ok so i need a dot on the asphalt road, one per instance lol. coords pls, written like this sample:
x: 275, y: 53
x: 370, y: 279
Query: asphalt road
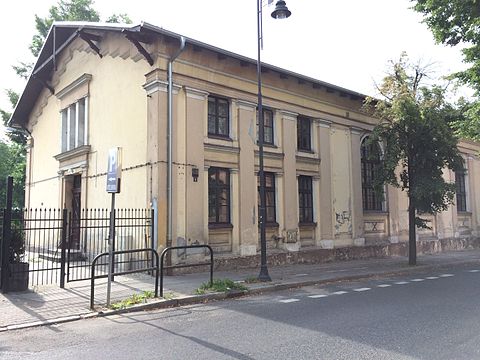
x: 432, y: 315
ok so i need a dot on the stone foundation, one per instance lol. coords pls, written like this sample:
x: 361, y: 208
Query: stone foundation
x: 321, y: 255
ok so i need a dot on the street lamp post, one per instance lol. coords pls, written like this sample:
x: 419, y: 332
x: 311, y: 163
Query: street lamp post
x: 281, y: 12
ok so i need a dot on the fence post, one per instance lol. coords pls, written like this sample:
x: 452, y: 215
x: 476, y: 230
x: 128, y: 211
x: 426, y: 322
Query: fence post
x: 7, y: 234
x: 152, y: 233
x: 63, y: 258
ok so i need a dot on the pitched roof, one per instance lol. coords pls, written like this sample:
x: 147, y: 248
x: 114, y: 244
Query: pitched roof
x: 62, y: 34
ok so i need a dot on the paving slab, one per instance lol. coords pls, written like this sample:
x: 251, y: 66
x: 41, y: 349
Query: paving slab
x: 44, y: 305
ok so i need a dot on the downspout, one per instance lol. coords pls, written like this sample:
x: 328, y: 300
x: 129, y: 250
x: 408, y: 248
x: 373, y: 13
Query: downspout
x: 169, y: 148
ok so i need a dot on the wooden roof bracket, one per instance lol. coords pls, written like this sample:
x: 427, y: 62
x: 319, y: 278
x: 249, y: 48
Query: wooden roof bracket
x: 44, y: 83
x: 139, y: 47
x: 89, y: 38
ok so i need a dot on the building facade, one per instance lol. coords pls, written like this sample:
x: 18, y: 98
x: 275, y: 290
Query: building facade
x: 97, y: 86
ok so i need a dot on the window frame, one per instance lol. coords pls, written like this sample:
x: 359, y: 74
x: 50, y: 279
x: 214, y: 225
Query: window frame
x: 74, y: 128
x: 217, y: 116
x: 305, y: 197
x: 371, y: 201
x: 304, y: 124
x: 217, y: 189
x: 265, y: 126
x: 269, y: 208
x: 461, y: 191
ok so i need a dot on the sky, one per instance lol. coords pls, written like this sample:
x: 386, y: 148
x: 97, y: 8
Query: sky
x: 344, y: 42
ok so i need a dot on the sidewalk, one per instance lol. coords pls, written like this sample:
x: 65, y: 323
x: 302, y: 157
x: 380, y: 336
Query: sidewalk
x: 50, y: 304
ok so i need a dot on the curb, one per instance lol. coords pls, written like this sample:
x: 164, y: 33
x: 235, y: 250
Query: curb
x: 199, y: 299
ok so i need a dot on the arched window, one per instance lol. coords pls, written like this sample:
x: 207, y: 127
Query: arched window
x: 370, y: 157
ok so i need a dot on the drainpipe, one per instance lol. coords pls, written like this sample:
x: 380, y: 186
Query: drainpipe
x: 169, y: 148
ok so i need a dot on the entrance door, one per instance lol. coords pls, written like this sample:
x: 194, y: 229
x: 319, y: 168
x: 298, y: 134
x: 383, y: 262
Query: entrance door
x: 76, y: 212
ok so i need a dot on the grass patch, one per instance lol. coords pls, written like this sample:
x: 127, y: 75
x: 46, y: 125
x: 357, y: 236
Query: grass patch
x: 169, y: 296
x: 132, y: 300
x: 219, y: 285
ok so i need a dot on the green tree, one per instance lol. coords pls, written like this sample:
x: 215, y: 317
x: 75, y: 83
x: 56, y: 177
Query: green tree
x: 418, y: 143
x: 455, y: 22
x: 64, y: 10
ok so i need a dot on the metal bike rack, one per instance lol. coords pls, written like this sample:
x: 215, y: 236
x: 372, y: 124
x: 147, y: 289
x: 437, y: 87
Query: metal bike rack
x: 92, y: 281
x: 166, y: 250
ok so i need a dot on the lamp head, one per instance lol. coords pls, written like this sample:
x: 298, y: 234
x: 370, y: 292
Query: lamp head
x: 281, y: 11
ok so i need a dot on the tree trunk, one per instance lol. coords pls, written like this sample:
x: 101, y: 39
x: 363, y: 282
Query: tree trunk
x: 412, y: 241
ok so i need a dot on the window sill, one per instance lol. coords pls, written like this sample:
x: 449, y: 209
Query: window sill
x: 307, y: 224
x: 464, y: 213
x: 305, y: 151
x: 213, y: 226
x: 220, y: 137
x: 73, y: 153
x: 270, y: 225
x: 375, y: 212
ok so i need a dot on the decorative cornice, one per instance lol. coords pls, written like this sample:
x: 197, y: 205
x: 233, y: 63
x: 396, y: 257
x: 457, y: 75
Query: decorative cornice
x: 289, y: 115
x: 159, y: 85
x: 246, y: 105
x: 196, y: 94
x: 221, y: 148
x: 72, y: 154
x: 324, y: 123
x: 85, y: 78
x: 271, y: 155
x: 355, y: 130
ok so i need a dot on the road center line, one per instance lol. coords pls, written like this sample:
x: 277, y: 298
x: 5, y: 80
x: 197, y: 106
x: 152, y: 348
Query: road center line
x: 417, y: 280
x: 286, y: 301
x: 445, y: 275
x: 317, y: 296
x: 362, y: 289
x: 401, y: 282
x: 384, y: 285
x: 432, y: 278
x: 339, y: 292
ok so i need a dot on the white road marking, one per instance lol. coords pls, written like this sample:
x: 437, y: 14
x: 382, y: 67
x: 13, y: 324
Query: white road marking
x: 474, y: 271
x: 301, y: 275
x: 446, y: 275
x: 432, y: 277
x: 401, y: 282
x: 417, y: 280
x: 362, y: 289
x: 317, y: 296
x: 384, y: 285
x: 286, y: 301
x: 339, y: 292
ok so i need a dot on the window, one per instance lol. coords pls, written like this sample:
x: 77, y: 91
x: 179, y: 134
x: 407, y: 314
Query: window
x: 74, y: 125
x: 370, y: 159
x: 267, y: 127
x: 461, y: 191
x: 269, y: 197
x: 218, y: 117
x: 305, y: 199
x: 304, y: 134
x: 218, y: 196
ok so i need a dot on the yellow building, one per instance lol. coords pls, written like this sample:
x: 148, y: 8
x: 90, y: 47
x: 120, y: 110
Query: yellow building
x: 98, y: 86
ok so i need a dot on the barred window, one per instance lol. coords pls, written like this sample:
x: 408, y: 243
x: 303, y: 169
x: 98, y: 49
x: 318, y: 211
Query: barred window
x: 218, y: 116
x: 461, y: 191
x: 304, y: 134
x: 370, y: 160
x: 218, y: 196
x: 305, y: 199
x: 270, y: 215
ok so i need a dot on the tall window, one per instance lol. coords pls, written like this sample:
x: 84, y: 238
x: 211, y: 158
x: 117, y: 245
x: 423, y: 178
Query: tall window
x: 305, y: 199
x: 218, y: 196
x: 74, y: 125
x: 370, y: 158
x: 304, y: 134
x: 218, y: 116
x: 461, y: 191
x: 267, y: 127
x: 269, y: 197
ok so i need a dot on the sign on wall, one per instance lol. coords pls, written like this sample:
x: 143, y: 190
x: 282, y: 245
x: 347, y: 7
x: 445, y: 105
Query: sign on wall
x: 114, y: 170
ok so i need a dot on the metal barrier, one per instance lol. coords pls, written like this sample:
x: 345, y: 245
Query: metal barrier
x: 92, y: 281
x: 184, y: 265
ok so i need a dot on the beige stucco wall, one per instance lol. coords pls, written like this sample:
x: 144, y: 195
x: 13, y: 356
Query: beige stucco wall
x: 128, y: 108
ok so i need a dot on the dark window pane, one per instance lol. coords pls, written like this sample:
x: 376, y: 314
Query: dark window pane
x: 218, y: 116
x: 218, y: 195
x: 370, y: 162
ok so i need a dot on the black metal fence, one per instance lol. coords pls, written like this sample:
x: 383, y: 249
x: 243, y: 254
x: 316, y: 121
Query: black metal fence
x: 50, y: 246
x: 89, y: 235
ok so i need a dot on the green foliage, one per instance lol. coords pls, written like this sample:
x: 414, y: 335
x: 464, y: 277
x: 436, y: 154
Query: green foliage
x: 65, y: 10
x: 119, y: 19
x: 418, y: 143
x: 219, y: 285
x: 455, y: 22
x: 132, y: 300
x: 12, y: 163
